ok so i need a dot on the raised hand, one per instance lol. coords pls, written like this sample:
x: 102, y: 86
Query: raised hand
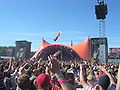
x: 53, y: 64
x: 57, y: 53
x: 101, y: 68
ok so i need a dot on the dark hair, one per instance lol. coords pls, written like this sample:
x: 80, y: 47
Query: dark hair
x: 1, y: 67
x: 23, y: 81
x: 104, y: 81
x: 97, y: 88
x: 17, y: 64
x: 70, y: 78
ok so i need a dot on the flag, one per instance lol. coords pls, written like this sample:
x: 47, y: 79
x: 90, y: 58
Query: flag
x: 57, y: 36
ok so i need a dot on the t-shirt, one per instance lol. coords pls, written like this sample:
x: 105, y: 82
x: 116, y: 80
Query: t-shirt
x: 79, y: 88
x: 7, y: 83
x: 112, y: 87
x: 2, y: 76
x: 89, y: 88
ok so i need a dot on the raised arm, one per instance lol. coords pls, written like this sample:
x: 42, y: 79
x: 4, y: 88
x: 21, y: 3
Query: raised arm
x: 21, y: 68
x: 107, y: 73
x: 82, y: 79
x: 9, y: 68
x: 118, y: 82
x: 54, y: 67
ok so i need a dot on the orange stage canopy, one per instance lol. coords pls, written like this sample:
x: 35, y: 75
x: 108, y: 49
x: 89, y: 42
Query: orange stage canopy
x: 82, y: 49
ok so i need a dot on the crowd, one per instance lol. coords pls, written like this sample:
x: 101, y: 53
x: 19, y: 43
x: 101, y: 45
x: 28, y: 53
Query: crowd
x: 55, y: 74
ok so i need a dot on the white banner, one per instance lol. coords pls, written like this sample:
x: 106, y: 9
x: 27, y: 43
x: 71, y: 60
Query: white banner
x: 102, y: 54
x: 114, y: 53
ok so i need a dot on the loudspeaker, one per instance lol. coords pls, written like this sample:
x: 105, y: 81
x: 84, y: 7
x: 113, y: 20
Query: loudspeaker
x: 101, y: 11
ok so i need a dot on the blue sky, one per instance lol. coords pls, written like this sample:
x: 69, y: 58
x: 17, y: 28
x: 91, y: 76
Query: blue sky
x: 33, y: 20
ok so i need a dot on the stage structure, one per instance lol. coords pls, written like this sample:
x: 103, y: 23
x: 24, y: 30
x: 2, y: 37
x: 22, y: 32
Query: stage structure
x: 22, y: 50
x: 76, y: 52
x: 86, y: 50
x: 99, y: 51
x: 101, y: 12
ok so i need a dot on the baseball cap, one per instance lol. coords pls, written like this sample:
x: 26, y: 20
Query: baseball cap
x: 43, y: 80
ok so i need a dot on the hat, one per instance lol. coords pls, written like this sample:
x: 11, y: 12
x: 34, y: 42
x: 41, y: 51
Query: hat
x: 97, y: 78
x: 43, y: 80
x: 104, y: 81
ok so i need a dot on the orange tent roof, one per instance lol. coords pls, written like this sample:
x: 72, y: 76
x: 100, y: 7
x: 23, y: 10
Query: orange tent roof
x: 42, y: 45
x: 83, y: 49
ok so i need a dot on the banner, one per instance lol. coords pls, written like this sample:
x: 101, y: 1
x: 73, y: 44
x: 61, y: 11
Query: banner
x: 114, y: 53
x: 102, y: 54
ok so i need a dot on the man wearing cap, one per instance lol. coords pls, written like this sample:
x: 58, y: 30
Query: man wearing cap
x: 42, y: 82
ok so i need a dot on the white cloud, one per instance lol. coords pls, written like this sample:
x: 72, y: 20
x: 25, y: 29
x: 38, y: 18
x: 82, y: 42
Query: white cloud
x: 32, y: 34
x: 26, y: 34
x: 74, y: 32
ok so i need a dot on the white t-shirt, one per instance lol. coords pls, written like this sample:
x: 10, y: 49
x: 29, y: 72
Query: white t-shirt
x: 88, y: 88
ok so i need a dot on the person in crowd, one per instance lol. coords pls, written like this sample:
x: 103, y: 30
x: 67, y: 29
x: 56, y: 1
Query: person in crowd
x: 55, y: 74
x: 23, y: 82
x: 3, y: 73
x: 7, y: 82
x: 42, y: 82
x: 118, y: 83
x: 105, y: 81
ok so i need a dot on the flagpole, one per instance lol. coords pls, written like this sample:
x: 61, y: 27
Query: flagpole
x: 61, y: 52
x: 55, y: 39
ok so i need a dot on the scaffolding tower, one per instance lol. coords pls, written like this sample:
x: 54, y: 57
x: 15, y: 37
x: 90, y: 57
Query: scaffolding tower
x: 101, y: 12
